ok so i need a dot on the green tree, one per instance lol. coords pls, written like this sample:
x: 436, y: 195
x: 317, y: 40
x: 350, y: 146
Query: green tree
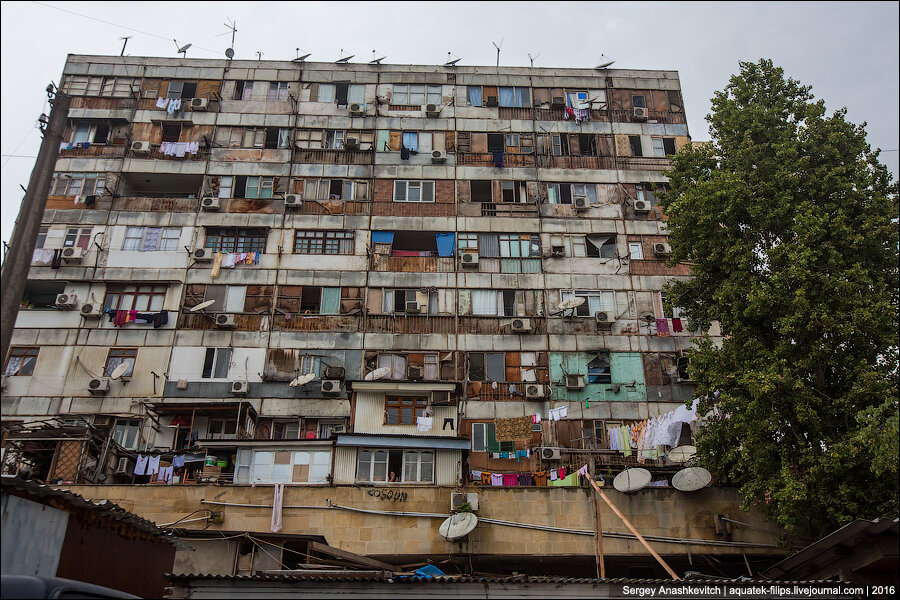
x: 791, y: 225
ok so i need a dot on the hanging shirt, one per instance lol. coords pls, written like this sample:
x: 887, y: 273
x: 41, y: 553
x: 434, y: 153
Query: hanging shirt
x: 153, y: 465
x: 140, y: 465
x: 540, y: 478
x: 424, y: 423
x: 510, y: 479
x: 496, y: 479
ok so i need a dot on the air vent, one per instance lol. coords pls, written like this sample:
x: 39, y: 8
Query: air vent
x: 331, y: 387
x: 413, y: 307
x: 458, y: 499
x: 225, y: 321
x: 491, y: 101
x: 351, y: 143
x: 123, y: 467
x: 558, y: 102
x: 557, y: 251
x: 210, y: 203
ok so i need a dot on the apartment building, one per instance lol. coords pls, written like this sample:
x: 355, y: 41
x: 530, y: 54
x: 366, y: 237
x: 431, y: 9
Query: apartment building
x: 361, y: 280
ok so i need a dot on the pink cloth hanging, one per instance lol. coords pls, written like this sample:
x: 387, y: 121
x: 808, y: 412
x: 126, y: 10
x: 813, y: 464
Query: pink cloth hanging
x: 276, y: 507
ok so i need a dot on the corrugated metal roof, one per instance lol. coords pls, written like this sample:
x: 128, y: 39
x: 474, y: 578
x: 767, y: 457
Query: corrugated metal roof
x: 399, y: 440
x: 40, y: 491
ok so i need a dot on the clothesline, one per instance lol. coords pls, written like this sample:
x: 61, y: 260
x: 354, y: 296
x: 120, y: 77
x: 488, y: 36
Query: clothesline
x: 563, y: 476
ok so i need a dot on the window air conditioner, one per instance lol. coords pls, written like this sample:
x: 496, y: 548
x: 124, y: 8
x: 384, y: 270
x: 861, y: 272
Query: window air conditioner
x: 140, y: 148
x: 580, y: 203
x: 641, y: 206
x: 331, y: 387
x: 98, y: 385
x: 91, y: 310
x: 357, y: 110
x: 548, y: 453
x: 640, y: 113
x: 202, y: 254
x: 469, y: 258
x: 432, y: 110
x: 124, y: 467
x: 662, y: 248
x: 239, y: 387
x: 438, y: 158
x: 534, y: 391
x: 199, y: 103
x: 210, y: 203
x: 522, y: 326
x: 457, y: 499
x: 574, y: 382
x: 351, y: 143
x: 334, y: 373
x: 72, y: 255
x: 557, y: 251
x: 558, y: 102
x: 293, y: 200
x: 491, y: 101
x: 440, y: 398
x: 66, y: 301
x: 225, y: 321
x: 413, y: 307
x: 415, y: 373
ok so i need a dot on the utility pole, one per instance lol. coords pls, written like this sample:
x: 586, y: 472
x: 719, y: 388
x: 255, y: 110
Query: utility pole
x: 18, y: 261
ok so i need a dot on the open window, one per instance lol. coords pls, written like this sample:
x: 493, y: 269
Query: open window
x: 486, y: 366
x: 600, y: 246
x: 216, y: 363
x: 481, y: 191
x: 484, y: 439
x: 42, y: 294
x: 309, y: 299
x: 599, y: 369
x: 595, y: 301
x: 21, y: 360
x: 634, y: 142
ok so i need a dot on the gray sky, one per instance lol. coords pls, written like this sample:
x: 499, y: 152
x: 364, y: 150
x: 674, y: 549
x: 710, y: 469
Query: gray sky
x: 847, y: 51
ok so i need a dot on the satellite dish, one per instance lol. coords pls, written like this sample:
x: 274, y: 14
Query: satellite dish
x: 119, y: 371
x: 185, y: 48
x: 572, y: 302
x: 302, y: 58
x: 377, y: 61
x: 229, y: 52
x: 303, y: 379
x: 681, y: 453
x: 691, y: 479
x: 344, y: 60
x: 452, y: 63
x: 632, y: 480
x: 202, y: 305
x: 603, y: 65
x: 379, y: 373
x: 458, y: 526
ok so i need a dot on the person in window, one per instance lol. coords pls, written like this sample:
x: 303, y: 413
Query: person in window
x: 392, y: 477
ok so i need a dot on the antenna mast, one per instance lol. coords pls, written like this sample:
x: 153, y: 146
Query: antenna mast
x: 498, y: 50
x: 126, y: 38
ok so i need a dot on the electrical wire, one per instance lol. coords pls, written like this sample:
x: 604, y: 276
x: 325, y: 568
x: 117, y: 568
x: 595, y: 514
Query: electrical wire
x: 186, y: 516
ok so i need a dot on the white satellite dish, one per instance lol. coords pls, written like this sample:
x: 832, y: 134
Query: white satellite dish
x: 572, y: 302
x: 229, y: 52
x: 303, y: 379
x: 379, y: 373
x: 202, y: 305
x: 119, y: 371
x: 681, y: 453
x: 691, y: 479
x: 632, y: 480
x: 458, y: 526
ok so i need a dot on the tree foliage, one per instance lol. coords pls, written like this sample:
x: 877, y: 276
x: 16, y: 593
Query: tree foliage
x: 792, y: 227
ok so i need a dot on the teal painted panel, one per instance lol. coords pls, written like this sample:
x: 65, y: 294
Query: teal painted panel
x: 626, y: 370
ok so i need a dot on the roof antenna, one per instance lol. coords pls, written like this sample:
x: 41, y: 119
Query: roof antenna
x: 232, y: 25
x: 126, y: 38
x: 451, y: 63
x: 532, y: 59
x: 259, y: 56
x: 498, y: 50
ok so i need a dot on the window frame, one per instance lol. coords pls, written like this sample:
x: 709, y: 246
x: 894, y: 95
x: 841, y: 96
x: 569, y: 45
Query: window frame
x: 404, y: 409
x: 127, y: 425
x: 116, y: 356
x: 635, y: 251
x: 280, y: 89
x: 600, y: 374
x: 165, y: 235
x: 155, y: 296
x: 23, y: 353
x: 78, y: 237
x: 231, y: 240
x: 324, y: 242
x: 604, y: 301
x: 420, y: 184
x: 371, y: 476
x: 88, y: 184
x: 413, y: 458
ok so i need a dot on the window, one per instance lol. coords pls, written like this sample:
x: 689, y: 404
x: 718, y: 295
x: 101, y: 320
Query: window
x: 334, y: 139
x: 487, y: 366
x: 242, y: 186
x: 576, y: 99
x: 335, y: 189
x: 600, y: 246
x: 669, y: 311
x: 310, y: 364
x: 21, y: 361
x: 395, y: 362
x: 78, y: 184
x: 235, y: 240
x: 635, y: 142
x: 595, y: 301
x: 151, y: 239
x: 243, y: 90
x: 83, y: 85
x: 282, y: 466
x: 495, y: 142
x: 356, y: 93
x: 171, y: 132
x: 226, y: 185
x: 326, y: 92
x: 216, y: 363
x: 326, y: 430
x: 149, y: 298
x: 645, y: 193
x: 42, y: 237
x: 259, y: 187
x: 118, y: 356
x: 278, y: 91
x: 560, y: 143
x: 638, y: 101
x: 323, y: 242
x: 562, y: 193
x: 484, y: 439
x: 93, y: 132
x: 467, y: 241
x: 372, y: 465
x: 663, y: 146
x: 515, y: 96
x: 418, y: 466
x: 286, y: 430
x: 413, y: 191
x: 277, y: 137
x: 482, y: 191
x: 79, y: 237
x: 598, y: 369
x: 512, y: 191
x: 410, y: 140
x: 416, y: 94
x: 222, y: 429
x: 126, y: 432
x: 515, y: 245
x: 473, y: 95
x: 403, y: 410
x: 181, y: 89
x: 635, y: 250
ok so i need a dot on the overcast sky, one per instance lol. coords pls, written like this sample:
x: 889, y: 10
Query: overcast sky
x: 848, y: 51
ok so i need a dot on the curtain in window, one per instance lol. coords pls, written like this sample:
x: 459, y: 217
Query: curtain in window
x: 474, y: 93
x: 445, y: 243
x: 495, y: 367
x: 484, y: 302
x: 356, y: 93
x: 151, y: 239
x: 331, y: 301
x: 411, y: 140
x: 507, y: 96
x: 488, y: 245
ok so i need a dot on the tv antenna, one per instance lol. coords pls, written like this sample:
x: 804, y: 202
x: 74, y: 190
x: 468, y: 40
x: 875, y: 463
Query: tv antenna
x: 182, y: 49
x: 532, y: 59
x: 451, y: 63
x: 376, y: 61
x: 498, y: 50
x: 232, y: 25
x: 345, y: 59
x: 302, y: 58
x: 126, y: 38
x: 259, y: 55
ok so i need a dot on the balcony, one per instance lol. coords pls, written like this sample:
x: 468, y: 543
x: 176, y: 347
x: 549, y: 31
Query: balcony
x: 335, y: 157
x: 506, y: 391
x: 115, y: 150
x: 559, y: 114
x: 156, y: 154
x: 644, y: 163
x: 490, y: 325
x: 509, y: 265
x: 576, y: 162
x: 97, y: 103
x: 242, y: 322
x: 498, y: 209
x: 507, y: 112
x: 486, y: 159
x: 414, y: 264
x: 333, y: 207
x: 298, y: 322
x: 401, y: 323
x: 654, y: 116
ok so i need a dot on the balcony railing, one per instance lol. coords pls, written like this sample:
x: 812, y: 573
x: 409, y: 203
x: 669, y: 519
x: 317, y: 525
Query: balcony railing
x: 414, y: 264
x: 506, y: 391
x: 335, y: 157
x: 402, y: 323
x: 486, y: 159
x: 576, y: 162
x: 644, y: 163
x: 97, y: 103
x: 95, y: 150
x: 298, y: 322
x: 508, y: 112
x: 155, y: 154
x: 559, y: 114
x: 241, y: 322
x: 509, y: 265
x: 148, y: 204
x: 334, y: 207
x: 658, y: 116
x: 490, y: 325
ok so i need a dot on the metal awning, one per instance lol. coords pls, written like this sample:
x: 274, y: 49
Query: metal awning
x: 401, y: 386
x: 402, y: 441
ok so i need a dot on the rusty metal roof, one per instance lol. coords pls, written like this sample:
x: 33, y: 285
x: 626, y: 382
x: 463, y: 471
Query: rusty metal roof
x: 38, y: 492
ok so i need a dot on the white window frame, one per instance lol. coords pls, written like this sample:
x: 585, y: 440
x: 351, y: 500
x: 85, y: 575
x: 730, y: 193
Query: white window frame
x: 658, y: 149
x: 482, y: 427
x: 166, y: 237
x: 222, y: 426
x: 416, y: 93
x: 603, y: 300
x: 326, y: 93
x: 280, y: 89
x: 413, y: 460
x: 370, y: 477
x: 258, y: 466
x: 287, y: 427
x: 130, y: 427
x: 406, y: 185
x: 635, y: 250
x: 334, y: 139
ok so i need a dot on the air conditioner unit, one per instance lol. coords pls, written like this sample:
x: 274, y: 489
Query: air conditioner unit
x: 491, y: 101
x: 662, y: 248
x: 534, y: 391
x: 102, y: 421
x: 522, y: 326
x: 580, y: 203
x: 124, y: 466
x: 548, y: 453
x: 604, y: 318
x: 640, y: 113
x: 351, y: 143
x: 91, y: 310
x: 334, y: 373
x: 558, y: 102
x: 140, y: 148
x: 413, y: 307
x: 641, y: 206
x: 225, y: 321
x: 357, y: 110
x: 72, y: 255
x: 202, y: 254
x: 415, y: 372
x: 210, y: 203
x: 557, y: 251
x: 440, y: 398
x: 458, y: 499
x: 438, y: 158
x: 574, y: 382
x: 98, y: 386
x: 239, y: 387
x: 66, y: 301
x: 432, y: 110
x: 331, y: 387
x: 469, y: 258
x: 199, y: 103
x: 293, y: 200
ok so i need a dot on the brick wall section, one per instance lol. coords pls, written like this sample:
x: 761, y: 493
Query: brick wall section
x: 443, y: 206
x: 653, y: 264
